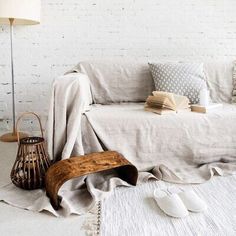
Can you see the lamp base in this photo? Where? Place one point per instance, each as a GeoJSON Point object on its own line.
{"type": "Point", "coordinates": [12, 137]}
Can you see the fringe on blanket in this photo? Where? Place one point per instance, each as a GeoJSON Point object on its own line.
{"type": "Point", "coordinates": [91, 225]}
{"type": "Point", "coordinates": [234, 81]}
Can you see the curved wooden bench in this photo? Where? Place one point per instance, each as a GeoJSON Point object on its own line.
{"type": "Point", "coordinates": [74, 167]}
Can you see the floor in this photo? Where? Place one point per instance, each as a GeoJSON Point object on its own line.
{"type": "Point", "coordinates": [14, 221]}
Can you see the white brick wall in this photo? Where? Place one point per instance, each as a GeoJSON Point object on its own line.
{"type": "Point", "coordinates": [75, 30]}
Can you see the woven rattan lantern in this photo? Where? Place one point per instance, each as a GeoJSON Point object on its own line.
{"type": "Point", "coordinates": [32, 160]}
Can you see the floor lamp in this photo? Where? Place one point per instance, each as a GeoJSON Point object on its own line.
{"type": "Point", "coordinates": [17, 12]}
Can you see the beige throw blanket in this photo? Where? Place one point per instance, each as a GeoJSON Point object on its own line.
{"type": "Point", "coordinates": [131, 131]}
{"type": "Point", "coordinates": [70, 98]}
{"type": "Point", "coordinates": [185, 148]}
{"type": "Point", "coordinates": [181, 148]}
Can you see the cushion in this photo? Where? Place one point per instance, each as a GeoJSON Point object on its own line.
{"type": "Point", "coordinates": [113, 82]}
{"type": "Point", "coordinates": [181, 78]}
{"type": "Point", "coordinates": [219, 79]}
{"type": "Point", "coordinates": [147, 139]}
{"type": "Point", "coordinates": [234, 84]}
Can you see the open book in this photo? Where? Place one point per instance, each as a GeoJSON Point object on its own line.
{"type": "Point", "coordinates": [163, 103]}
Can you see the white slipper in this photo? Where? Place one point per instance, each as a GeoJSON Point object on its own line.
{"type": "Point", "coordinates": [171, 204]}
{"type": "Point", "coordinates": [190, 199]}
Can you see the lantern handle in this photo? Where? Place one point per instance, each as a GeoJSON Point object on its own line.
{"type": "Point", "coordinates": [24, 114]}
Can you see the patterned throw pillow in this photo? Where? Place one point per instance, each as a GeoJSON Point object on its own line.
{"type": "Point", "coordinates": [180, 78]}
{"type": "Point", "coordinates": [234, 81]}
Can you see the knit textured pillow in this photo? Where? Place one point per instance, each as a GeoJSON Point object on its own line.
{"type": "Point", "coordinates": [185, 79]}
{"type": "Point", "coordinates": [234, 81]}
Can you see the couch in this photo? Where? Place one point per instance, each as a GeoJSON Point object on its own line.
{"type": "Point", "coordinates": [113, 118]}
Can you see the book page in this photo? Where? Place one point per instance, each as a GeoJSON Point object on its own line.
{"type": "Point", "coordinates": [182, 102]}
{"type": "Point", "coordinates": [169, 102]}
{"type": "Point", "coordinates": [160, 102]}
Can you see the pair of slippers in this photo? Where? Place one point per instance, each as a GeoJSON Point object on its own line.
{"type": "Point", "coordinates": [177, 202]}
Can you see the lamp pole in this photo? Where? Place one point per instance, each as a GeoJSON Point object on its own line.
{"type": "Point", "coordinates": [12, 137]}
{"type": "Point", "coordinates": [12, 77]}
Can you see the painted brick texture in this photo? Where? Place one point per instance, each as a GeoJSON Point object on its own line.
{"type": "Point", "coordinates": [75, 30]}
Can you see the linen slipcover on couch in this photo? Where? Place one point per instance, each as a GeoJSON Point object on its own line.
{"type": "Point", "coordinates": [99, 106]}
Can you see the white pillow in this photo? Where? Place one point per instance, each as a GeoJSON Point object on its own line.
{"type": "Point", "coordinates": [220, 80]}
{"type": "Point", "coordinates": [113, 82]}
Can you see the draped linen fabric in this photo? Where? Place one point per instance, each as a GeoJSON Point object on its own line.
{"type": "Point", "coordinates": [183, 148]}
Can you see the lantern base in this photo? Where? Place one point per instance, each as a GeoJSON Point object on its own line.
{"type": "Point", "coordinates": [12, 137]}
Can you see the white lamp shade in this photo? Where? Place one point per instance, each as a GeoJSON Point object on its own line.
{"type": "Point", "coordinates": [24, 12]}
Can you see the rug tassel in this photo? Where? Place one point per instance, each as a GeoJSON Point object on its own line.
{"type": "Point", "coordinates": [91, 225]}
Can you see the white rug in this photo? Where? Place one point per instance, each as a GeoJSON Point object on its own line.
{"type": "Point", "coordinates": [129, 211]}
{"type": "Point", "coordinates": [133, 211]}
